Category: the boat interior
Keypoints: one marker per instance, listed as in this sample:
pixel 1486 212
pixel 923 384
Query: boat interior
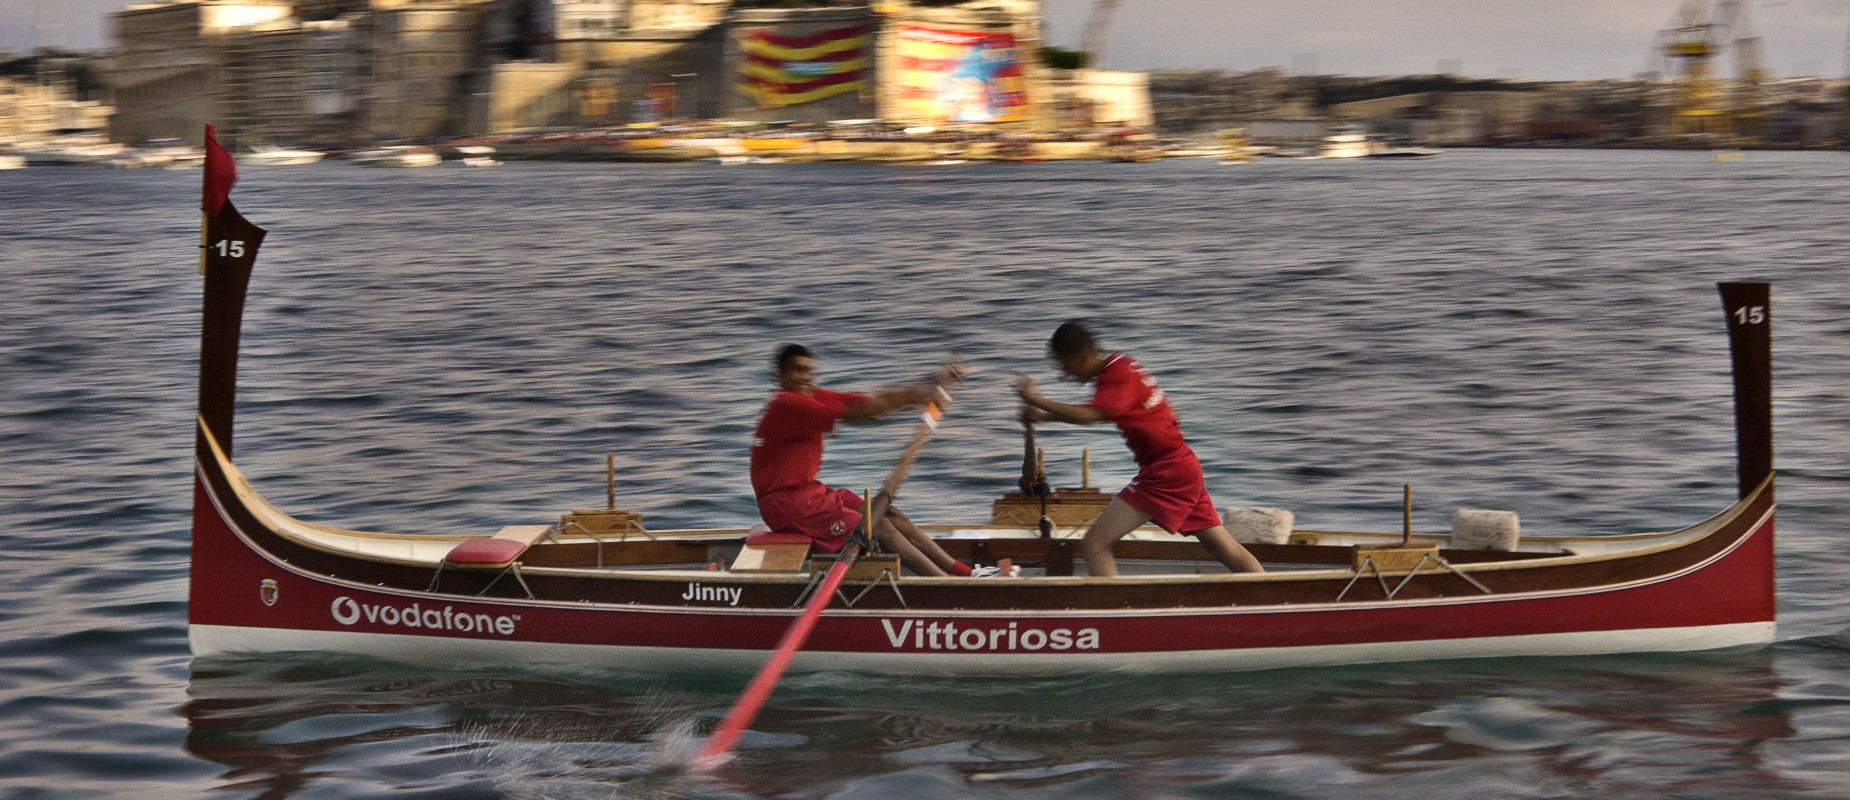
pixel 611 542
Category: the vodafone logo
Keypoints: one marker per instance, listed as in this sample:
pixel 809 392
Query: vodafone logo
pixel 348 611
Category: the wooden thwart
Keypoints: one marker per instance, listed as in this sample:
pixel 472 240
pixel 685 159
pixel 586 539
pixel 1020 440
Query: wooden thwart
pixel 1066 507
pixel 499 551
pixel 1379 561
pixel 773 553
pixel 604 521
pixel 1393 558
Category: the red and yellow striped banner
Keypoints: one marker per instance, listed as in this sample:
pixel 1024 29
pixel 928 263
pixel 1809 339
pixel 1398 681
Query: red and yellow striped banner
pixel 778 70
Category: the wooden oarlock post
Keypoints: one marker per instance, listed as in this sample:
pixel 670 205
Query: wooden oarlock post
pixel 1041 489
pixel 1405 557
pixel 607 521
pixel 1085 468
pixel 1406 514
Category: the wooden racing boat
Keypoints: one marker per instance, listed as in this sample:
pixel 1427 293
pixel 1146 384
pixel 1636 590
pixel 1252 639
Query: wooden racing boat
pixel 598 589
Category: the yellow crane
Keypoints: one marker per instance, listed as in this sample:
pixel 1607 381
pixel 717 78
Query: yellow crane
pixel 1690 46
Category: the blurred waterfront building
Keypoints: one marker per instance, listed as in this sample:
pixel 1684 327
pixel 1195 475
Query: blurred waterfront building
pixel 324 71
pixel 599 62
pixel 926 62
pixel 1091 98
pixel 352 71
pixel 165 74
pixel 1447 110
pixel 287 81
pixel 34 111
pixel 415 65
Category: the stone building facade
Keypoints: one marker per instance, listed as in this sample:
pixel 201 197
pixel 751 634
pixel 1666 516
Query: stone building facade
pixel 287 81
pixel 166 75
pixel 33 111
pixel 351 71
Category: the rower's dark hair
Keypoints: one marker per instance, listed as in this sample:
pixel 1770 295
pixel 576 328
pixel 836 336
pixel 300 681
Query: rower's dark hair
pixel 1071 337
pixel 788 353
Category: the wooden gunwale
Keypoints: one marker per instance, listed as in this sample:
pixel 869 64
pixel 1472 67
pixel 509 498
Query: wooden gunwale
pixel 660 587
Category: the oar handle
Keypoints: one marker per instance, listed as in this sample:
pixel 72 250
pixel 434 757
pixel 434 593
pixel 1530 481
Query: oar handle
pixel 1030 466
pixel 933 413
pixel 928 422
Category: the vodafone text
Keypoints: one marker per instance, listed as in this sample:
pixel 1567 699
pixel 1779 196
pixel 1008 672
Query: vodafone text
pixel 947 636
pixel 347 611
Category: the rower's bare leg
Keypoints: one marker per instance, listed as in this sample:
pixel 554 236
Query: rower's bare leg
pixel 1227 550
pixel 919 541
pixel 898 544
pixel 1118 519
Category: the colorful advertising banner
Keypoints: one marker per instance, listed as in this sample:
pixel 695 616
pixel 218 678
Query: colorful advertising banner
pixel 959 76
pixel 778 71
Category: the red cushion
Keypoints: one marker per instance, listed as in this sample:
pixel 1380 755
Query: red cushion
pixel 487 551
pixel 776 537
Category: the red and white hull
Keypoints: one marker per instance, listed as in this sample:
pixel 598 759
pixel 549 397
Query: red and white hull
pixel 246 601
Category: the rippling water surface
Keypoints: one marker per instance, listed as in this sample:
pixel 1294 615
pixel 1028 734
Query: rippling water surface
pixel 440 350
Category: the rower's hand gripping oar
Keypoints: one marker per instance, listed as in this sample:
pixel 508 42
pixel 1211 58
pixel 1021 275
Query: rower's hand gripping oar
pixel 750 701
pixel 946 377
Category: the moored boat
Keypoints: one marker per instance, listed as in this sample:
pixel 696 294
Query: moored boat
pixel 478 155
pixel 1405 151
pixel 398 156
pixel 599 588
pixel 1345 141
pixel 265 155
pixel 72 152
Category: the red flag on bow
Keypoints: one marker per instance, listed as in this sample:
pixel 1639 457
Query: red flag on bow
pixel 221 173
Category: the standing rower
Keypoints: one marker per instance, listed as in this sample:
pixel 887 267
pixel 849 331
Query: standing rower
pixel 1169 488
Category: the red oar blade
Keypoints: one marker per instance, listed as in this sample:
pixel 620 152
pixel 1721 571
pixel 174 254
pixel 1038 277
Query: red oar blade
pixel 750 701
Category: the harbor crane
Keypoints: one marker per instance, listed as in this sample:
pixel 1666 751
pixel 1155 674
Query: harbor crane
pixel 1689 48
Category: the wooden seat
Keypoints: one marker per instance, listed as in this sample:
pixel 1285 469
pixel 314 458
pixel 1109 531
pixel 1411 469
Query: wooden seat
pixel 772 551
pixel 499 551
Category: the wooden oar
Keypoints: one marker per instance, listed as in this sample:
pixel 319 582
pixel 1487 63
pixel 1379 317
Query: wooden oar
pixel 750 701
pixel 1034 470
pixel 746 708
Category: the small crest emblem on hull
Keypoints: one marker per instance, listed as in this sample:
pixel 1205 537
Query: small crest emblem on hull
pixel 269 591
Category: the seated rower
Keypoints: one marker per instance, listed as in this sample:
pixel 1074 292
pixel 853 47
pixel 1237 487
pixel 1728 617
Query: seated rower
pixel 787 456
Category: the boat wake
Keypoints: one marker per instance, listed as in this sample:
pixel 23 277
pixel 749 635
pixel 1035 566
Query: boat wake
pixel 530 755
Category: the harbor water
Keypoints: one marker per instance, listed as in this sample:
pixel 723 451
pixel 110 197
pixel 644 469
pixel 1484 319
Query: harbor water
pixel 447 350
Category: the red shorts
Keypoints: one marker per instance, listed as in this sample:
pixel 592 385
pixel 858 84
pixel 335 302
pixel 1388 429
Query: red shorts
pixel 1174 494
pixel 823 514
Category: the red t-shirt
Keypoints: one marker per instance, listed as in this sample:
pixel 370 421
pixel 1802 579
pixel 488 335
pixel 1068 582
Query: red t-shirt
pixel 787 444
pixel 1131 399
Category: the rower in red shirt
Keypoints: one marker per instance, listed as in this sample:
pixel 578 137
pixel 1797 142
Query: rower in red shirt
pixel 1169 488
pixel 787 455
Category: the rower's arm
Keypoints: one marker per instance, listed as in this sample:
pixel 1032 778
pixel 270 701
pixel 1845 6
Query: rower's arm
pixel 908 395
pixel 887 400
pixel 1045 410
